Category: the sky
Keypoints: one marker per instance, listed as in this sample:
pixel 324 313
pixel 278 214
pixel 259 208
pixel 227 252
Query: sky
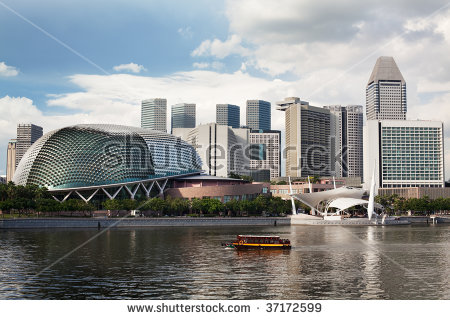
pixel 67 62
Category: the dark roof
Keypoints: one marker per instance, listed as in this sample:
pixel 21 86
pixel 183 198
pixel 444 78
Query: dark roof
pixel 207 177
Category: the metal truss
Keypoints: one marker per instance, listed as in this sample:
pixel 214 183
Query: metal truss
pixel 132 188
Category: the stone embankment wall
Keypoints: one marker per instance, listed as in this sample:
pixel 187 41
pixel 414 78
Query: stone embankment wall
pixel 41 223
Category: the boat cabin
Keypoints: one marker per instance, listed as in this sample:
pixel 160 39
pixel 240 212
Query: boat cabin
pixel 261 239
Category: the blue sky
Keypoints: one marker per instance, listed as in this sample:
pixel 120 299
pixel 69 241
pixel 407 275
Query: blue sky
pixel 209 52
pixel 106 32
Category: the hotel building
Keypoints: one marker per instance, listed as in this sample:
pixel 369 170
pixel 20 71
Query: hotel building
pixel 405 153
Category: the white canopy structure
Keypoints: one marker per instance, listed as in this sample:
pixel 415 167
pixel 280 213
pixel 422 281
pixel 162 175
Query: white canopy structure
pixel 345 203
pixel 341 198
pixel 313 200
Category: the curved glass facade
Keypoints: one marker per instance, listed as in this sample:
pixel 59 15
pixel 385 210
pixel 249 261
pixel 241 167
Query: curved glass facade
pixel 92 155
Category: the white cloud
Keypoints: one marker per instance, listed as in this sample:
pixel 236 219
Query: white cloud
pixel 186 32
pixel 131 67
pixel 216 65
pixel 221 49
pixel 200 65
pixel 7 71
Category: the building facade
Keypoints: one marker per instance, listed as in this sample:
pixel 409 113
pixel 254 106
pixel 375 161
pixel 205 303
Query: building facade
pixel 154 114
pixel 183 115
pixel 386 92
pixel 346 145
pixel 27 134
pixel 258 115
pixel 228 115
pixel 266 151
pixel 11 160
pixel 405 153
pixel 223 189
pixel 307 138
pixel 221 148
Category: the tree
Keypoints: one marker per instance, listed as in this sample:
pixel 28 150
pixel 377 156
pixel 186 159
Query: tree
pixel 155 204
pixel 47 205
pixel 112 204
pixel 260 204
pixel 196 205
pixel 246 206
pixel 178 206
pixel 232 207
pixel 213 206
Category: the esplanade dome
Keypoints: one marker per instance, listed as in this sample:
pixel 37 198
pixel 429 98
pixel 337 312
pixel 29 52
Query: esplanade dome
pixel 88 155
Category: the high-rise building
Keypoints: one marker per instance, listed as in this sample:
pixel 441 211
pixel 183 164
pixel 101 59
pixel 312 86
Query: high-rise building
pixel 27 134
pixel 307 138
pixel 183 115
pixel 265 151
pixel 154 114
pixel 11 160
pixel 405 153
pixel 386 92
pixel 346 146
pixel 228 114
pixel 258 115
pixel 221 148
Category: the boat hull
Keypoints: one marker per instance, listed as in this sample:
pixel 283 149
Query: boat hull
pixel 261 246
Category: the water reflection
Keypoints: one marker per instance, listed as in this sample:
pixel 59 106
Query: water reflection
pixel 404 262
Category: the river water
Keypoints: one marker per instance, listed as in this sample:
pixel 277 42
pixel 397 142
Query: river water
pixel 326 262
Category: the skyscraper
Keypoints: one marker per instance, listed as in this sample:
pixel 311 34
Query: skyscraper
pixel 220 147
pixel 258 115
pixel 386 92
pixel 154 114
pixel 228 114
pixel 27 134
pixel 405 153
pixel 183 115
pixel 307 138
pixel 346 140
pixel 11 160
pixel 268 155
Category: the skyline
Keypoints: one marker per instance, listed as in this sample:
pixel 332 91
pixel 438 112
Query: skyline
pixel 211 53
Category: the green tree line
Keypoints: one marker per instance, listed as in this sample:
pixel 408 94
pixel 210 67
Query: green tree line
pixel 209 207
pixel 425 205
pixel 26 200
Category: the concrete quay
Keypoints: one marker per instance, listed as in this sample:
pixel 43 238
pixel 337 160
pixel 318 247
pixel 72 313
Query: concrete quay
pixel 44 223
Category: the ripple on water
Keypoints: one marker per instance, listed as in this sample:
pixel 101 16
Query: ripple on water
pixel 189 263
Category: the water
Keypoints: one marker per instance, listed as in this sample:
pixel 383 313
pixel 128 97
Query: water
pixel 326 262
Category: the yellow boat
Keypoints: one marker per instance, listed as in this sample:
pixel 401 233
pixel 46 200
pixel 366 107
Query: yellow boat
pixel 244 242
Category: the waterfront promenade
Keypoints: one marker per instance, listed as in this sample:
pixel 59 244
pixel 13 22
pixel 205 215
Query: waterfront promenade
pixel 42 223
pixel 29 223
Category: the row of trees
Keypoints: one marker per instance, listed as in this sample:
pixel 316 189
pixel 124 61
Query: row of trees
pixel 258 206
pixel 31 199
pixel 399 205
